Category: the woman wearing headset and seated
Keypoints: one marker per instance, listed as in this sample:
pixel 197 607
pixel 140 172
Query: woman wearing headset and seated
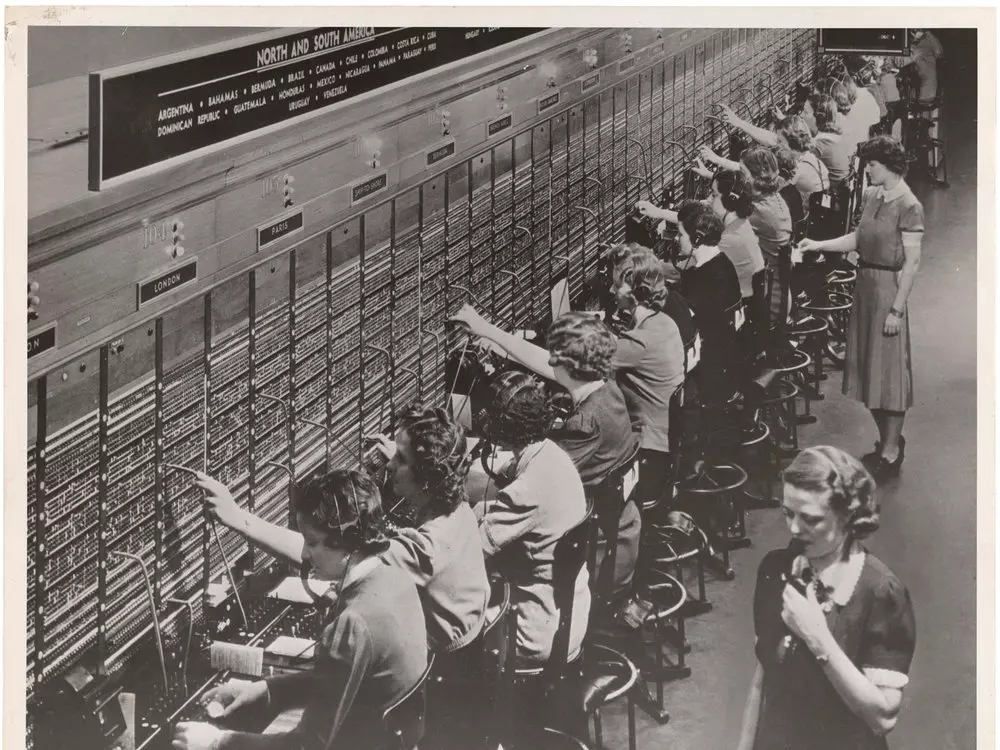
pixel 439 550
pixel 597 434
pixel 373 646
pixel 710 284
pixel 540 499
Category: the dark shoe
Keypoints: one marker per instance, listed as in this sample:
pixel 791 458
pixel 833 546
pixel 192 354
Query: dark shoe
pixel 870 459
pixel 884 468
pixel 898 463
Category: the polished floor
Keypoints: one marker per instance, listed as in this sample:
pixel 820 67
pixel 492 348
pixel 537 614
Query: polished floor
pixel 928 534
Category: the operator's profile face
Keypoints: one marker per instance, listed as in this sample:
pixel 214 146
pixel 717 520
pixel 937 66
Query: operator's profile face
pixel 623 295
pixel 400 468
pixel 326 563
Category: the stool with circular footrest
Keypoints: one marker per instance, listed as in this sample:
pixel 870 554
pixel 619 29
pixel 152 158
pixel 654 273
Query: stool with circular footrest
pixel 711 494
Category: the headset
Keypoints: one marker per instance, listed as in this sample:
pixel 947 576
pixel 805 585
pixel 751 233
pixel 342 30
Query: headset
pixel 698 239
pixel 530 382
pixel 355 534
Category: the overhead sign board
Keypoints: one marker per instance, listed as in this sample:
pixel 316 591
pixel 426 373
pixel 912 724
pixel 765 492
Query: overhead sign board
pixel 144 115
pixel 870 41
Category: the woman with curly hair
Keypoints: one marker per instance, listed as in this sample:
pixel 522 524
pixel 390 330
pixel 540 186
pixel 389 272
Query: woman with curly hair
pixel 835 627
pixel 540 499
pixel 732 202
pixel 597 434
pixel 771 218
pixel 858 109
pixel 829 144
pixel 878 370
pixel 427 469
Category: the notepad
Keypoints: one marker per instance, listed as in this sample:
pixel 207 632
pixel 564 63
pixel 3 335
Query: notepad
pixel 248 660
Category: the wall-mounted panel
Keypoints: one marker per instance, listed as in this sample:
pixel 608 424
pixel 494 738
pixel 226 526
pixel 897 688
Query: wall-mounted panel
pixel 277 361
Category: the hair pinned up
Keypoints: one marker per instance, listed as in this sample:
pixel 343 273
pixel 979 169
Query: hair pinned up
pixel 796 133
pixel 825 112
pixel 583 345
pixel 440 459
pixel 788 163
pixel 700 223
pixel 519 412
pixel 345 504
pixel 851 489
pixel 736 192
pixel 763 168
pixel 841 96
pixel 638 267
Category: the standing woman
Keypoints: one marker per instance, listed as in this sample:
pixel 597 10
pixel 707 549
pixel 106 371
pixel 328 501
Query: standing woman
pixel 878 369
pixel 835 627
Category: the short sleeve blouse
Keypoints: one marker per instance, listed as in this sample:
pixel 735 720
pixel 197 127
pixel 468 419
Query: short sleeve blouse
pixel 876 629
pixel 886 216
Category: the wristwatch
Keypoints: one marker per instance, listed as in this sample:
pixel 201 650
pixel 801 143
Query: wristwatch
pixel 822 658
pixel 894 311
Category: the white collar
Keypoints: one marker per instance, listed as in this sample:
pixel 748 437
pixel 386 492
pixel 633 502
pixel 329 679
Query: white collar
pixel 897 192
pixel 851 573
pixel 704 253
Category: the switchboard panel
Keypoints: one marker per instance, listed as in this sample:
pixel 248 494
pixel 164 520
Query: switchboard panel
pixel 284 362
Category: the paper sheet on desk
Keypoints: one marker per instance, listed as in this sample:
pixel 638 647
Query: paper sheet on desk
pixel 291 590
pixel 293 647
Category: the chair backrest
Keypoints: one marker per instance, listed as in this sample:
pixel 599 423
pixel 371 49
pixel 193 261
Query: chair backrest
pixel 568 560
pixel 406 718
pixel 495 640
pixel 609 493
pixel 785 281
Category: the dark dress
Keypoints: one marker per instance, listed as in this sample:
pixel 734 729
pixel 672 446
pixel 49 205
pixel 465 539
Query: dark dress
pixel 800 709
pixel 713 289
pixel 878 370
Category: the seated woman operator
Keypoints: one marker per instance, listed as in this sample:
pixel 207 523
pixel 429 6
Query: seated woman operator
pixel 540 499
pixel 428 469
pixel 373 645
pixel 732 202
pixel 597 434
pixel 648 362
pixel 710 284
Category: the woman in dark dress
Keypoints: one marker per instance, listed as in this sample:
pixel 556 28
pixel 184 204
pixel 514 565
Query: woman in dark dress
pixel 878 370
pixel 835 627
pixel 711 286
